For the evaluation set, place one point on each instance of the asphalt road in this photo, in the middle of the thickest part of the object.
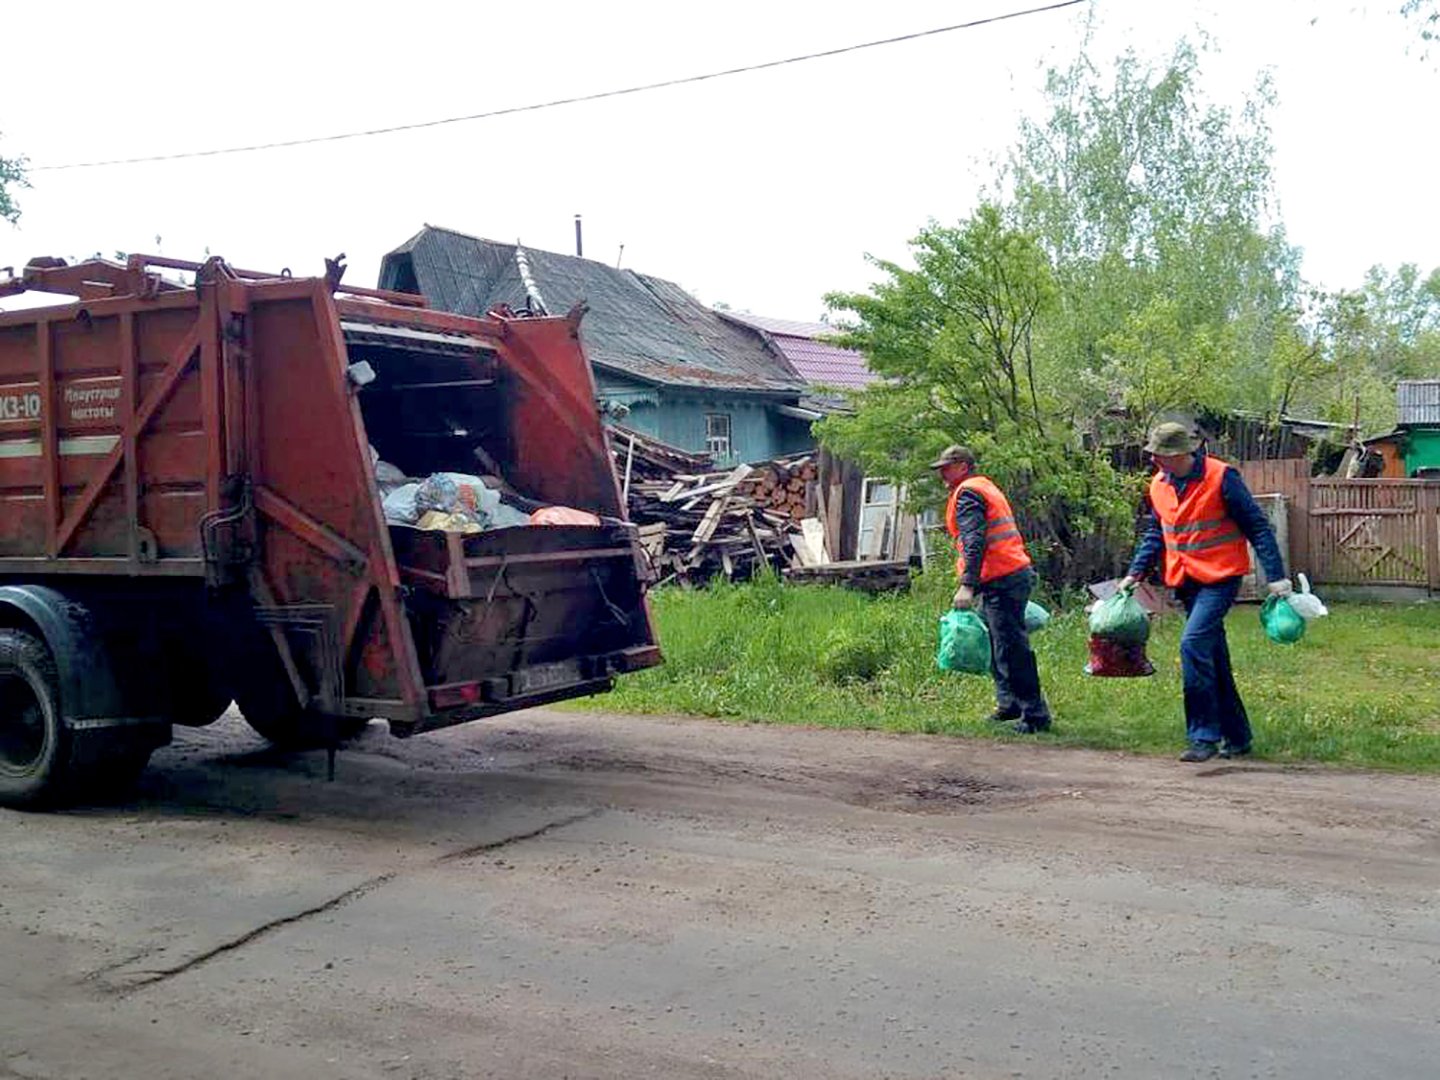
(562, 895)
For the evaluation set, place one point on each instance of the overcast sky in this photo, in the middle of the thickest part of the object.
(761, 190)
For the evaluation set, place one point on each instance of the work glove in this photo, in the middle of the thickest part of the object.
(1281, 587)
(1127, 583)
(964, 598)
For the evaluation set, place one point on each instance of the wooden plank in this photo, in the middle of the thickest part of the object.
(904, 536)
(1430, 526)
(1372, 511)
(814, 534)
(712, 488)
(708, 523)
(1300, 542)
(755, 539)
(803, 552)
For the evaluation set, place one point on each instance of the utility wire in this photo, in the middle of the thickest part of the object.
(557, 102)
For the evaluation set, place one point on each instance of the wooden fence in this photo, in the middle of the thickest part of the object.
(1356, 532)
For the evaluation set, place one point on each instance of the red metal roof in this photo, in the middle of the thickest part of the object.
(804, 344)
(825, 363)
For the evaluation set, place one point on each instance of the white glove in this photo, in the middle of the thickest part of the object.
(1281, 587)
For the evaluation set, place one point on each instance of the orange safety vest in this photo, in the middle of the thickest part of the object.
(1202, 541)
(1004, 546)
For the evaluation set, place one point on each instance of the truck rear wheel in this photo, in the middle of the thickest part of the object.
(40, 760)
(198, 699)
(270, 708)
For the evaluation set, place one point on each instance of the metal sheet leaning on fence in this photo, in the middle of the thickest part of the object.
(1201, 516)
(996, 577)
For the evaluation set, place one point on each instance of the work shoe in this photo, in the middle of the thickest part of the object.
(1000, 716)
(1030, 727)
(1234, 751)
(1198, 752)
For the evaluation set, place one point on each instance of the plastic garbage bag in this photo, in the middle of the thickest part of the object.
(439, 521)
(400, 508)
(1306, 604)
(450, 493)
(1036, 617)
(1283, 624)
(468, 496)
(388, 477)
(964, 643)
(563, 515)
(1121, 619)
(502, 515)
(1116, 660)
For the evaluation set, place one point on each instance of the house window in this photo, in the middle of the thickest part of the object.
(717, 435)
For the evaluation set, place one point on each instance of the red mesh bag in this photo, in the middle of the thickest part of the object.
(1112, 660)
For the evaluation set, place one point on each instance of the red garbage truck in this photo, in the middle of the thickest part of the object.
(192, 513)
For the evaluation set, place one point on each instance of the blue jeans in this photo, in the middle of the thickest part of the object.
(1012, 662)
(1213, 709)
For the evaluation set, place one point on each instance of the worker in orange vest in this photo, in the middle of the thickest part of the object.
(1201, 516)
(994, 568)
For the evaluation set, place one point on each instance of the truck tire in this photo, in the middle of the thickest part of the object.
(34, 741)
(41, 760)
(270, 708)
(198, 699)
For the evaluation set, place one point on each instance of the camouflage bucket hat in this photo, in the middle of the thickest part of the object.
(954, 455)
(1171, 438)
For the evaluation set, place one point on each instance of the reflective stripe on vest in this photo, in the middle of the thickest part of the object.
(1202, 542)
(1004, 547)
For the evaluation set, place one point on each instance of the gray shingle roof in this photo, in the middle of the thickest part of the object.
(640, 326)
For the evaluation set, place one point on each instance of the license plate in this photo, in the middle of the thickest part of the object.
(540, 677)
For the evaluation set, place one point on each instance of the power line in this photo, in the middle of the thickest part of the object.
(557, 102)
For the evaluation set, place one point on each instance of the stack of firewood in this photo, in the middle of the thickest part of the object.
(785, 487)
(695, 525)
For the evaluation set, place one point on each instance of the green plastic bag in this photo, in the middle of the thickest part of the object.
(1283, 624)
(964, 643)
(1035, 616)
(1120, 619)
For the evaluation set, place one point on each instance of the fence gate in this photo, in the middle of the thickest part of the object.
(1375, 532)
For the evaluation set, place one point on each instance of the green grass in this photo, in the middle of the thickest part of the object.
(1359, 690)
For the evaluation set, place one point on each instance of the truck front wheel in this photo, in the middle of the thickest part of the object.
(42, 761)
(34, 743)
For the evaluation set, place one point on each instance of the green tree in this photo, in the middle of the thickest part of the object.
(1366, 339)
(1154, 208)
(955, 343)
(1128, 269)
(12, 176)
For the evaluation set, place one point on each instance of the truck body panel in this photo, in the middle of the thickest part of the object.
(213, 436)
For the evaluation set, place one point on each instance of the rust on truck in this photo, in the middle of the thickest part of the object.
(200, 455)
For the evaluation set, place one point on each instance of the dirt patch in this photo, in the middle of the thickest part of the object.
(945, 792)
(966, 790)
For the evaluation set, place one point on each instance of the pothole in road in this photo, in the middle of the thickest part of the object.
(945, 792)
(968, 790)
